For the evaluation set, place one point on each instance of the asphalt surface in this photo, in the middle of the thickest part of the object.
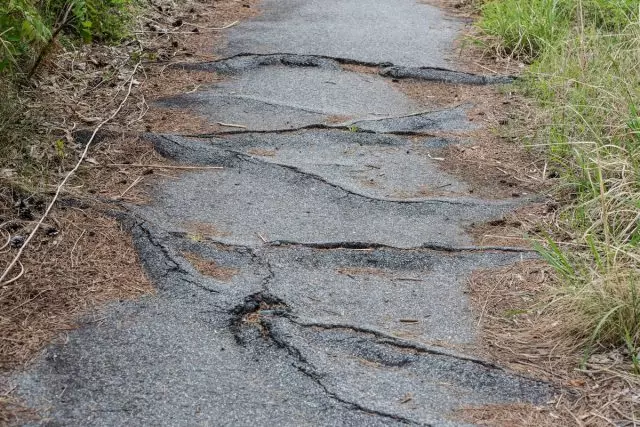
(338, 251)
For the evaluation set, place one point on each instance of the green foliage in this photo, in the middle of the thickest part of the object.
(21, 27)
(27, 25)
(104, 20)
(526, 29)
(610, 15)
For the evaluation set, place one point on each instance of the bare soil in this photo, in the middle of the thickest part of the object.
(211, 268)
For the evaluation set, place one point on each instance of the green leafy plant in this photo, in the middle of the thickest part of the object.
(21, 27)
(28, 28)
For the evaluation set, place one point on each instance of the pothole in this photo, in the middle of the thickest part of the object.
(249, 317)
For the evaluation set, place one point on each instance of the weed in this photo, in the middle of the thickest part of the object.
(525, 28)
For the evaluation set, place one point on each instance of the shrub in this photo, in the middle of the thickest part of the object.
(27, 25)
(104, 20)
(21, 27)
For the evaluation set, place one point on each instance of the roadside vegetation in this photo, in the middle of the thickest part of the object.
(583, 77)
(584, 74)
(70, 69)
(573, 318)
(72, 262)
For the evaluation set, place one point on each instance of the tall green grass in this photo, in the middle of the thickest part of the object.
(585, 75)
(527, 28)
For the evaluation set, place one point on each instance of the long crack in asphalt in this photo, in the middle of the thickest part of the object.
(319, 277)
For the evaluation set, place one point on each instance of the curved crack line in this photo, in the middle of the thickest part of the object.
(388, 69)
(467, 202)
(346, 126)
(427, 246)
(385, 338)
(178, 266)
(307, 369)
(339, 60)
(274, 104)
(435, 200)
(359, 246)
(166, 252)
(313, 126)
(404, 116)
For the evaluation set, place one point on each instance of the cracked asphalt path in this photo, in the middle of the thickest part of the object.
(319, 278)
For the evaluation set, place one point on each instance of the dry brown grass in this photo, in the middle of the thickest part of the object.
(178, 121)
(517, 415)
(12, 411)
(523, 330)
(517, 228)
(495, 168)
(81, 257)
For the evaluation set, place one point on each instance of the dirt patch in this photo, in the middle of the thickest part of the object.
(496, 169)
(261, 152)
(518, 228)
(519, 330)
(211, 268)
(360, 69)
(173, 81)
(424, 191)
(191, 31)
(337, 119)
(369, 183)
(178, 121)
(436, 95)
(121, 168)
(201, 230)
